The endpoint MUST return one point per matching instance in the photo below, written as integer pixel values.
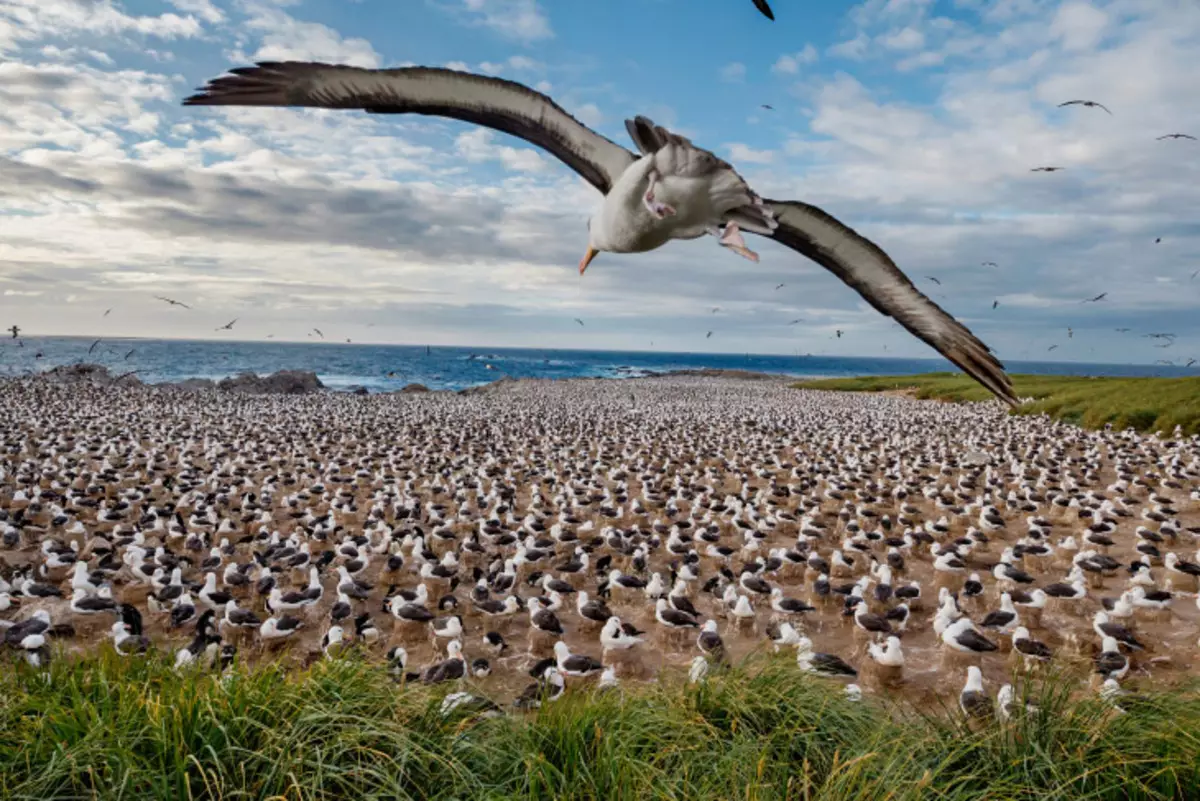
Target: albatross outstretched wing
(762, 6)
(492, 102)
(864, 266)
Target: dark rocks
(410, 389)
(284, 382)
(88, 373)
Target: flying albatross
(674, 190)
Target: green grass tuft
(104, 727)
(1145, 404)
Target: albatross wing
(865, 267)
(492, 102)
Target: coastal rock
(359, 391)
(283, 382)
(410, 389)
(88, 373)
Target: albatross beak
(587, 258)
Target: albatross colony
(523, 540)
(673, 190)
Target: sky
(916, 122)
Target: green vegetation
(1146, 404)
(103, 727)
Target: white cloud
(477, 145)
(35, 20)
(523, 20)
(1079, 25)
(904, 39)
(286, 38)
(204, 9)
(734, 72)
(789, 63)
(854, 48)
(744, 154)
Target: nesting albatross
(674, 190)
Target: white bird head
(974, 680)
(561, 650)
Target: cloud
(522, 20)
(854, 48)
(285, 38)
(903, 39)
(204, 9)
(477, 145)
(789, 63)
(744, 154)
(734, 72)
(34, 20)
(1079, 25)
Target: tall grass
(1145, 404)
(104, 727)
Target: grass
(1145, 404)
(103, 727)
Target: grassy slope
(105, 727)
(1147, 404)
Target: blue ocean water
(382, 368)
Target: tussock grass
(103, 727)
(1145, 404)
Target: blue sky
(915, 122)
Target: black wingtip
(762, 6)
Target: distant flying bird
(762, 6)
(348, 342)
(990, 264)
(579, 321)
(995, 303)
(106, 311)
(1193, 278)
(708, 335)
(318, 331)
(1122, 330)
(172, 302)
(1047, 169)
(1161, 336)
(1070, 334)
(1176, 136)
(1084, 103)
(1157, 239)
(93, 347)
(1052, 347)
(1164, 361)
(16, 331)
(1190, 362)
(228, 326)
(797, 320)
(1096, 299)
(127, 355)
(768, 107)
(716, 309)
(839, 333)
(633, 218)
(934, 280)
(779, 287)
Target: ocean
(383, 368)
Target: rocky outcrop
(88, 373)
(284, 382)
(412, 389)
(192, 385)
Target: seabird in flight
(672, 190)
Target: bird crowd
(545, 534)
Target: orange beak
(587, 258)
